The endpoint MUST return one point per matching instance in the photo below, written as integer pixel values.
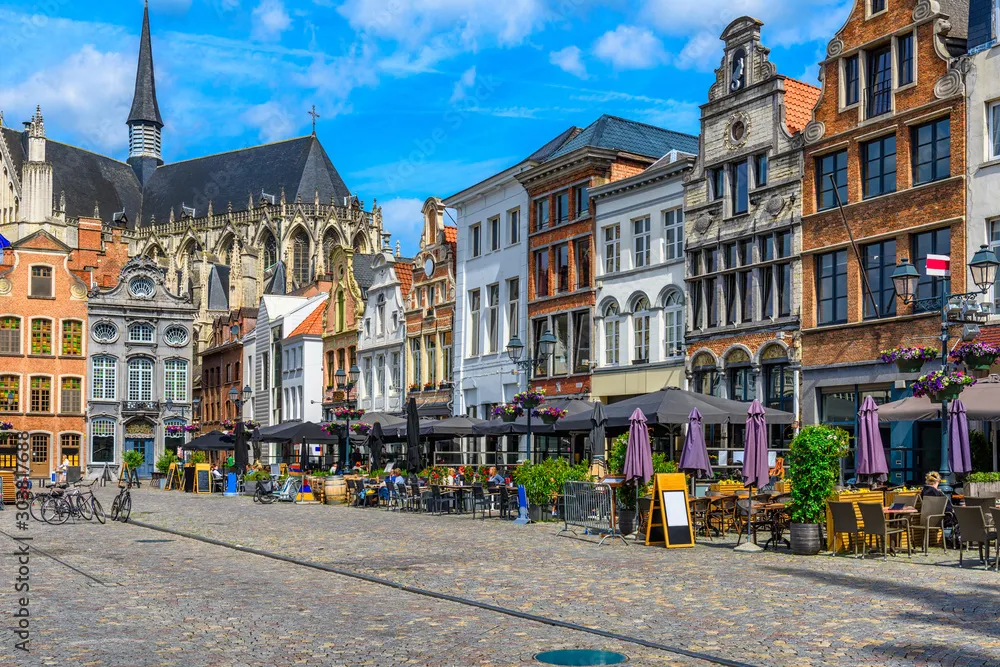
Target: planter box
(250, 487)
(728, 489)
(981, 489)
(783, 487)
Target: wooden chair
(700, 515)
(845, 521)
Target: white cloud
(272, 120)
(89, 93)
(702, 52)
(568, 60)
(629, 47)
(270, 19)
(464, 83)
(402, 218)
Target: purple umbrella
(755, 469)
(959, 453)
(694, 458)
(638, 455)
(871, 457)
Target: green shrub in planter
(197, 457)
(543, 481)
(133, 458)
(616, 465)
(814, 467)
(164, 461)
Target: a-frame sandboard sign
(669, 521)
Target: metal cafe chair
(972, 529)
(845, 522)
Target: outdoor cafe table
(898, 538)
(775, 513)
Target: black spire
(144, 107)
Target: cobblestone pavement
(764, 609)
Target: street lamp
(954, 309)
(515, 350)
(346, 382)
(239, 398)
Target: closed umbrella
(872, 467)
(959, 452)
(412, 437)
(638, 455)
(376, 443)
(755, 469)
(598, 422)
(694, 458)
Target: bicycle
(121, 506)
(265, 491)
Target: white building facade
(382, 336)
(639, 317)
(302, 365)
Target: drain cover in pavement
(580, 657)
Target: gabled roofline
(682, 163)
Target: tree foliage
(814, 467)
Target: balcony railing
(140, 407)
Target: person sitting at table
(459, 478)
(931, 482)
(397, 477)
(495, 477)
(216, 473)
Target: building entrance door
(145, 447)
(41, 454)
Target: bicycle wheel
(97, 509)
(35, 507)
(55, 511)
(267, 498)
(126, 507)
(116, 507)
(83, 507)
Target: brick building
(560, 282)
(430, 313)
(742, 234)
(224, 366)
(888, 139)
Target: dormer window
(737, 79)
(878, 87)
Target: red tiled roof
(313, 324)
(450, 234)
(800, 99)
(404, 272)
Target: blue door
(145, 447)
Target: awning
(981, 401)
(434, 409)
(212, 441)
(453, 427)
(298, 432)
(572, 406)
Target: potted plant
(6, 426)
(814, 468)
(908, 359)
(133, 459)
(941, 385)
(508, 411)
(529, 399)
(429, 386)
(348, 413)
(192, 428)
(543, 483)
(976, 356)
(414, 387)
(549, 415)
(361, 428)
(628, 497)
(197, 457)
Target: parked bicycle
(121, 506)
(63, 502)
(265, 493)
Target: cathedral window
(300, 258)
(270, 252)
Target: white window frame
(514, 226)
(496, 234)
(104, 383)
(992, 126)
(513, 307)
(673, 225)
(493, 318)
(175, 380)
(137, 328)
(673, 325)
(140, 379)
(612, 248)
(612, 335)
(641, 321)
(475, 312)
(476, 240)
(641, 254)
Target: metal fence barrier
(590, 505)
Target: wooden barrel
(334, 490)
(317, 485)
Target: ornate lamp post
(515, 350)
(346, 382)
(955, 309)
(239, 399)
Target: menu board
(669, 520)
(203, 478)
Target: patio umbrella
(755, 468)
(959, 453)
(453, 427)
(211, 441)
(412, 437)
(638, 455)
(981, 401)
(871, 457)
(598, 421)
(376, 443)
(694, 458)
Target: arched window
(340, 311)
(640, 326)
(141, 333)
(380, 315)
(612, 330)
(102, 440)
(673, 324)
(300, 257)
(331, 239)
(140, 380)
(226, 252)
(175, 380)
(270, 251)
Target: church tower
(144, 121)
(36, 174)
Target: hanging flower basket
(508, 411)
(348, 413)
(529, 399)
(174, 429)
(976, 356)
(549, 415)
(942, 386)
(330, 428)
(908, 359)
(6, 426)
(361, 428)
(191, 428)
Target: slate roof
(621, 134)
(218, 287)
(364, 275)
(800, 99)
(298, 165)
(274, 279)
(144, 106)
(86, 178)
(546, 151)
(313, 324)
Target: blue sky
(416, 97)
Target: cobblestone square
(126, 594)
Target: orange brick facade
(933, 97)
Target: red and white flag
(938, 265)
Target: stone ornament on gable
(814, 131)
(5, 287)
(924, 9)
(948, 85)
(737, 130)
(835, 47)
